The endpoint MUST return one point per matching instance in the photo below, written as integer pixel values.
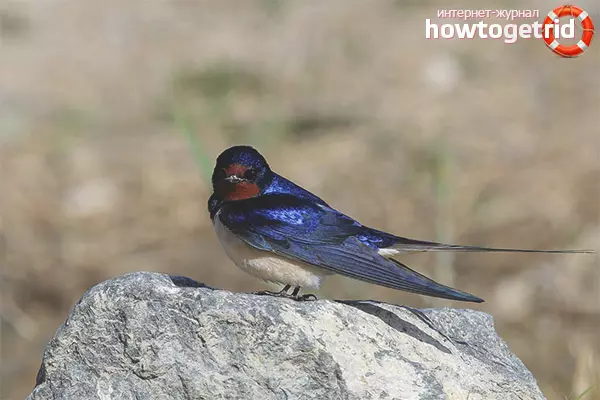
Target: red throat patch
(241, 191)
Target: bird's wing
(323, 237)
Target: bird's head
(241, 172)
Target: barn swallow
(279, 232)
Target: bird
(281, 233)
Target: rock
(152, 336)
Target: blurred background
(112, 113)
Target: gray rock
(151, 336)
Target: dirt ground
(112, 113)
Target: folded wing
(323, 237)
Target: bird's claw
(274, 294)
(284, 294)
(307, 297)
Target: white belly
(266, 265)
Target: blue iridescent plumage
(287, 220)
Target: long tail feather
(405, 244)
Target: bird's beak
(233, 179)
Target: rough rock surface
(152, 336)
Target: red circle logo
(550, 37)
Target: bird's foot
(273, 294)
(282, 293)
(306, 297)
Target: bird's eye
(250, 174)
